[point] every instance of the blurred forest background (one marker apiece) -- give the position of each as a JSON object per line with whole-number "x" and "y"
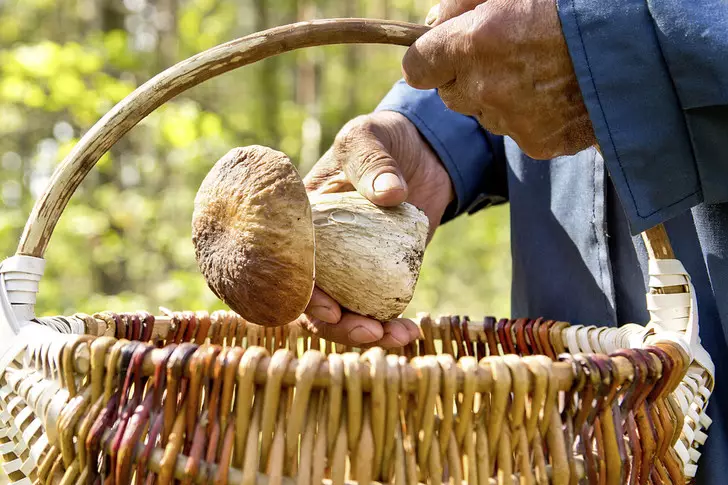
{"x": 123, "y": 243}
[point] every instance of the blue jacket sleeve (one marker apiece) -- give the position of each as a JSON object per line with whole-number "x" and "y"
{"x": 654, "y": 75}
{"x": 474, "y": 158}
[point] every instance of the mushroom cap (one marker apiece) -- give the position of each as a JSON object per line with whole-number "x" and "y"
{"x": 254, "y": 236}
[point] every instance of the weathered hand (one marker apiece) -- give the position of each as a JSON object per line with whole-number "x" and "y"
{"x": 382, "y": 156}
{"x": 506, "y": 63}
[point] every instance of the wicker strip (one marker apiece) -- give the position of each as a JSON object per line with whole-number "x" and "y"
{"x": 240, "y": 414}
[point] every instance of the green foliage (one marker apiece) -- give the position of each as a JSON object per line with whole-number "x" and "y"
{"x": 123, "y": 242}
{"x": 467, "y": 269}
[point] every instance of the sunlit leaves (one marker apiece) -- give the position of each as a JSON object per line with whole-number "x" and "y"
{"x": 13, "y": 88}
{"x": 55, "y": 78}
{"x": 210, "y": 125}
{"x": 179, "y": 124}
{"x": 41, "y": 60}
{"x": 66, "y": 89}
{"x": 9, "y": 29}
{"x": 110, "y": 88}
{"x": 86, "y": 222}
{"x": 116, "y": 49}
{"x": 205, "y": 23}
{"x": 124, "y": 240}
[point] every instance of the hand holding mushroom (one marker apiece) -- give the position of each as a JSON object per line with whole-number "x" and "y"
{"x": 261, "y": 244}
{"x": 383, "y": 156}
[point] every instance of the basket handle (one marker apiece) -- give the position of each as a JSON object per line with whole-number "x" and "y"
{"x": 179, "y": 78}
{"x": 193, "y": 71}
{"x": 27, "y": 266}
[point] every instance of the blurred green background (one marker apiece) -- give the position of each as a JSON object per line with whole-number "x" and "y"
{"x": 123, "y": 243}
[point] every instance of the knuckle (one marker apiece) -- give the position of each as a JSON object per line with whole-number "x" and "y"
{"x": 454, "y": 96}
{"x": 367, "y": 162}
{"x": 356, "y": 136}
{"x": 452, "y": 8}
{"x": 475, "y": 33}
{"x": 472, "y": 34}
{"x": 354, "y": 128}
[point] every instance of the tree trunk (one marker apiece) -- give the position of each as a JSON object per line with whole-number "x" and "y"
{"x": 308, "y": 94}
{"x": 351, "y": 109}
{"x": 111, "y": 279}
{"x": 168, "y": 47}
{"x": 267, "y": 87}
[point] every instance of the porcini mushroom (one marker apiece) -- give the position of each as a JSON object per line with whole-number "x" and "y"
{"x": 253, "y": 236}
{"x": 261, "y": 244}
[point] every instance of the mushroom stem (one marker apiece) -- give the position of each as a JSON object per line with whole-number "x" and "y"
{"x": 368, "y": 258}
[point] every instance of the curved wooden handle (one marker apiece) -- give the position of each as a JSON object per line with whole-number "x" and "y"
{"x": 193, "y": 71}
{"x": 179, "y": 78}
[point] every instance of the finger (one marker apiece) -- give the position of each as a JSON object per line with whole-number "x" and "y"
{"x": 414, "y": 330}
{"x": 398, "y": 333}
{"x": 448, "y": 9}
{"x": 352, "y": 329}
{"x": 433, "y": 15}
{"x": 436, "y": 57}
{"x": 369, "y": 166}
{"x": 323, "y": 307}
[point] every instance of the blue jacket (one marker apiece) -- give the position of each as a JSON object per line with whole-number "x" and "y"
{"x": 654, "y": 75}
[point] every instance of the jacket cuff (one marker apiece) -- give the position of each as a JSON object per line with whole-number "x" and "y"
{"x": 474, "y": 158}
{"x": 633, "y": 106}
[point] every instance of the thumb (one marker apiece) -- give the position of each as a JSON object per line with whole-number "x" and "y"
{"x": 432, "y": 61}
{"x": 369, "y": 166}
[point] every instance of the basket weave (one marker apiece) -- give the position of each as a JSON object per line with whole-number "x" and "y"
{"x": 198, "y": 398}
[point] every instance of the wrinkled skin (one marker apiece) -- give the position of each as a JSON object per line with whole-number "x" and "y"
{"x": 506, "y": 63}
{"x": 382, "y": 156}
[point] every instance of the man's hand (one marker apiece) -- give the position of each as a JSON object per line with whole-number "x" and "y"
{"x": 506, "y": 63}
{"x": 383, "y": 157}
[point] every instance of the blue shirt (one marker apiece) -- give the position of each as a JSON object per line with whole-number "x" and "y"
{"x": 654, "y": 76}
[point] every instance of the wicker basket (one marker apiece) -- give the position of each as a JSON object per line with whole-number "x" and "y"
{"x": 193, "y": 397}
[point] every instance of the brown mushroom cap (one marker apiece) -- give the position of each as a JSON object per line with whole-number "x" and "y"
{"x": 254, "y": 236}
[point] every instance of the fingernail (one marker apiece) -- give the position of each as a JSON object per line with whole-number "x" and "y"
{"x": 362, "y": 335}
{"x": 401, "y": 342}
{"x": 385, "y": 182}
{"x": 323, "y": 313}
{"x": 432, "y": 15}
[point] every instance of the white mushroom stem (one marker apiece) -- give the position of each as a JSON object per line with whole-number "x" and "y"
{"x": 368, "y": 258}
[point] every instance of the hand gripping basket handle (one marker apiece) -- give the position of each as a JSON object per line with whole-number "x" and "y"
{"x": 19, "y": 275}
